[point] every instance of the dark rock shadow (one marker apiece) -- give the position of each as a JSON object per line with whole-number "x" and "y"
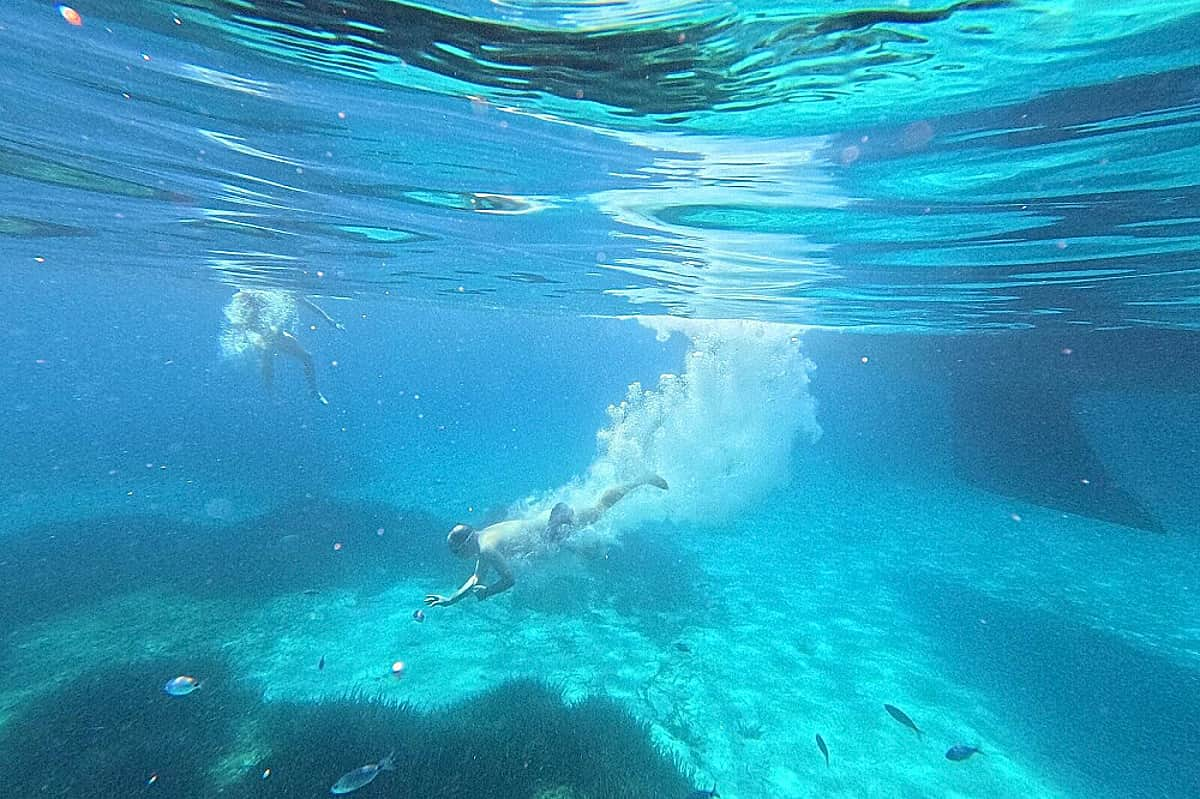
{"x": 53, "y": 568}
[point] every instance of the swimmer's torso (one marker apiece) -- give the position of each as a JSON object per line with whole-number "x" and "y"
{"x": 513, "y": 535}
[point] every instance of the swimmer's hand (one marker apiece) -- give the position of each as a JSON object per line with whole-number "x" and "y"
{"x": 434, "y": 600}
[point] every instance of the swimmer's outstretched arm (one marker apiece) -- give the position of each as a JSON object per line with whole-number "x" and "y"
{"x": 435, "y": 600}
{"x": 312, "y": 306}
{"x": 505, "y": 582}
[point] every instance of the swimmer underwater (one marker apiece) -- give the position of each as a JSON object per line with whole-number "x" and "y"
{"x": 261, "y": 321}
{"x": 492, "y": 545}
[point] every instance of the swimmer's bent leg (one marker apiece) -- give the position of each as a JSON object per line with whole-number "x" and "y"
{"x": 614, "y": 495}
{"x": 268, "y": 370}
{"x": 290, "y": 345}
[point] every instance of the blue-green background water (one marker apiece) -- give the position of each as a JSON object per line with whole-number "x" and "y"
{"x": 932, "y": 435}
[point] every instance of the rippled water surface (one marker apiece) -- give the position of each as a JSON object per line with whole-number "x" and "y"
{"x": 922, "y": 165}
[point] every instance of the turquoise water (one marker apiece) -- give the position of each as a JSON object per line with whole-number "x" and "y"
{"x": 899, "y": 301}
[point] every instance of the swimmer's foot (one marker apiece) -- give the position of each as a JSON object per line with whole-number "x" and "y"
{"x": 655, "y": 480}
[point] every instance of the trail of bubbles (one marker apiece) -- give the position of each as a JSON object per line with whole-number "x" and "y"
{"x": 254, "y": 315}
{"x": 721, "y": 432}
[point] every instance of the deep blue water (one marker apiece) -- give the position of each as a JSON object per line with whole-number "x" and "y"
{"x": 908, "y": 296}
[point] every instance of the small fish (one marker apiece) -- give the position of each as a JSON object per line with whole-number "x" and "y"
{"x": 311, "y": 591}
{"x": 71, "y": 16}
{"x": 363, "y": 775}
{"x": 683, "y": 647}
{"x": 700, "y": 793}
{"x": 902, "y": 717}
{"x": 824, "y": 749}
{"x": 962, "y": 752}
{"x": 181, "y": 686}
{"x": 153, "y": 778}
{"x": 418, "y": 615}
{"x": 321, "y": 664}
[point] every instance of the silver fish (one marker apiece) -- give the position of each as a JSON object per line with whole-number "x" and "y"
{"x": 181, "y": 685}
{"x": 363, "y": 775}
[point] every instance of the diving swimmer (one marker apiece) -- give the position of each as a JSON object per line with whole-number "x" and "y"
{"x": 262, "y": 321}
{"x": 492, "y": 545}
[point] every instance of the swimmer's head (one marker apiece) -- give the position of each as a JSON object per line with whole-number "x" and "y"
{"x": 561, "y": 520}
{"x": 463, "y": 541}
